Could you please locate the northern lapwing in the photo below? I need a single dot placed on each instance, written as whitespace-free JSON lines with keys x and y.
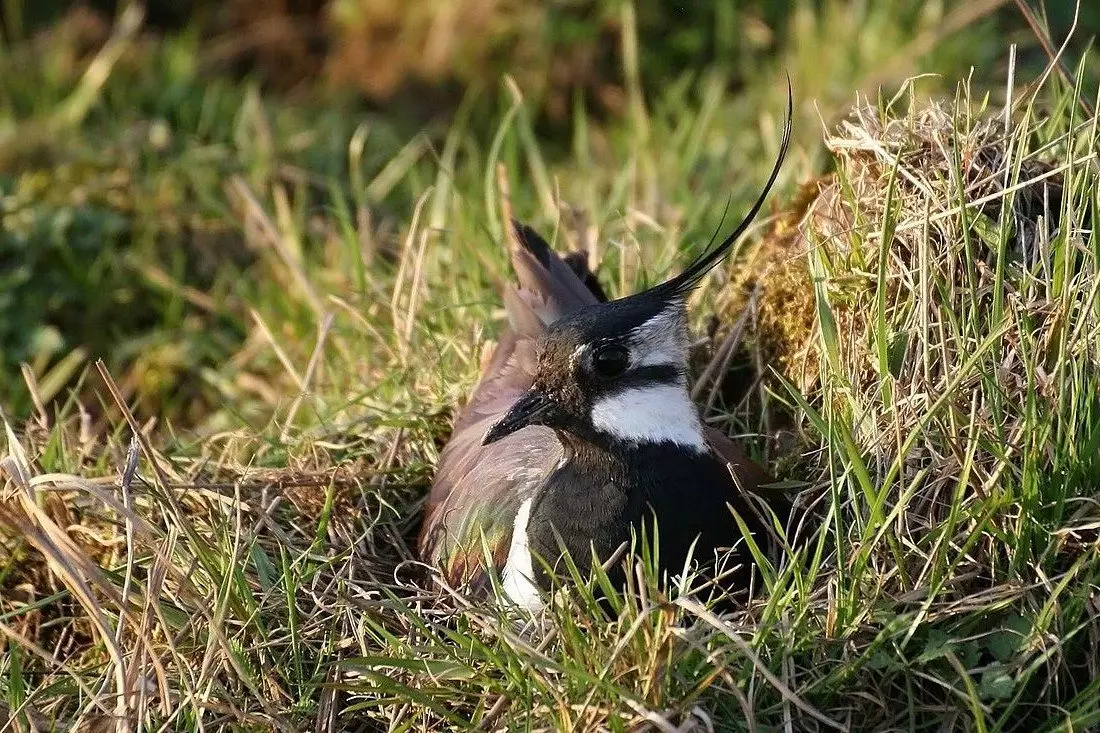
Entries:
{"x":582,"y":428}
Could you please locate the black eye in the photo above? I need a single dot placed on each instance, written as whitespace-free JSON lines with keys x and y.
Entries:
{"x":610,"y":360}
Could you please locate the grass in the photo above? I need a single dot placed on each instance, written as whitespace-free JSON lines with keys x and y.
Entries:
{"x":209,"y":530}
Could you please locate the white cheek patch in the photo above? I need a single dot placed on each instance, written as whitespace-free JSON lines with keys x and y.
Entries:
{"x":657,"y":413}
{"x":518,"y":581}
{"x":660,"y":340}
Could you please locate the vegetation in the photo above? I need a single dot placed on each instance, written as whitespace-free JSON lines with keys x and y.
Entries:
{"x":237,"y":312}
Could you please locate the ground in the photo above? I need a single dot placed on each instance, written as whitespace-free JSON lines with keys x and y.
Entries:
{"x":238,"y":311}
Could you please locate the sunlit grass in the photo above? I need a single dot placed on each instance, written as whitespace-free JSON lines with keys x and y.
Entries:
{"x":246,"y":565}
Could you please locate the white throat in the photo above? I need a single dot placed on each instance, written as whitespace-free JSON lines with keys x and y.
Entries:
{"x":657,"y":413}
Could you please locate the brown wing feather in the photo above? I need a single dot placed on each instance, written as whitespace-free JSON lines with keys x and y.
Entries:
{"x":749,"y":474}
{"x":477,"y":489}
{"x":752,"y":479}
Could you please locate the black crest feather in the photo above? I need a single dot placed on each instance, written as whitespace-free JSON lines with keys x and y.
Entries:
{"x":680,"y":285}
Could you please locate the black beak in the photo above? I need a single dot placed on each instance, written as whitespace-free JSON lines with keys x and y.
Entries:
{"x":532,"y":408}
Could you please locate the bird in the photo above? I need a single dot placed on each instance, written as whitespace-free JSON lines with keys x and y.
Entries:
{"x":581,"y":429}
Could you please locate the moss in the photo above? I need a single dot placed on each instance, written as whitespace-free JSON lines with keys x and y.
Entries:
{"x":775,"y":275}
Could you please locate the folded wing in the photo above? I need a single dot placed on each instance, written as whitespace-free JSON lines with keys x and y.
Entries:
{"x":478,"y":489}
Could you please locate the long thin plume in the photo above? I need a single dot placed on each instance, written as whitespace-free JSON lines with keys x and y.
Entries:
{"x":686,"y":280}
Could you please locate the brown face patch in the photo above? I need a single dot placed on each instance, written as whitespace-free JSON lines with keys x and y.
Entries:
{"x":653,"y":334}
{"x":561,"y":377}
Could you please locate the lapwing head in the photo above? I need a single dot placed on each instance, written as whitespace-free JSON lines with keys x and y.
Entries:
{"x":599,"y":368}
{"x":617,"y":372}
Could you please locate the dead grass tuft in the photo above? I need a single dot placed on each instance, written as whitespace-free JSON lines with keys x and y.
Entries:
{"x":189,"y":589}
{"x":936,"y":183}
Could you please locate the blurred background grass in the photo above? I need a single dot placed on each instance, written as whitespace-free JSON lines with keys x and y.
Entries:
{"x":121,"y":125}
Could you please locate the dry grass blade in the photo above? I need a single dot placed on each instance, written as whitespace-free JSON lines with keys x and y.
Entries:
{"x":1057,"y":57}
{"x":311,"y":369}
{"x":404,"y":322}
{"x":81,"y":577}
{"x":258,"y":221}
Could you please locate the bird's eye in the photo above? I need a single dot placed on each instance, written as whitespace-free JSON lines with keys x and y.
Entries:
{"x":610,"y":360}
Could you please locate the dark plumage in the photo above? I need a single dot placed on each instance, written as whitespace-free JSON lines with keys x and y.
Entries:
{"x":581,"y":429}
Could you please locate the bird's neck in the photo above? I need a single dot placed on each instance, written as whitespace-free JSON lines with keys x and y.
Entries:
{"x":659,"y":414}
{"x":624,"y":467}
